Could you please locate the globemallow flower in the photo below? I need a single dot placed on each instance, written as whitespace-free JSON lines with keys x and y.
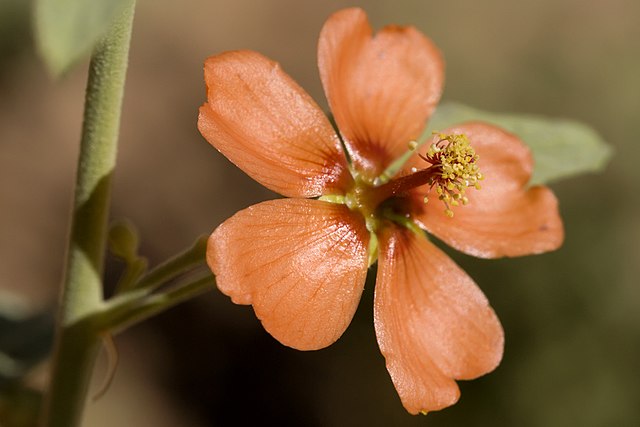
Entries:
{"x":301,"y":261}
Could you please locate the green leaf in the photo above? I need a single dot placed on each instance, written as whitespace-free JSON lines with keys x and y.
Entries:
{"x":561,"y":148}
{"x":68,"y":30}
{"x":25,"y":338}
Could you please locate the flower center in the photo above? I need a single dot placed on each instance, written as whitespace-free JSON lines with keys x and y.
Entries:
{"x":452,"y":168}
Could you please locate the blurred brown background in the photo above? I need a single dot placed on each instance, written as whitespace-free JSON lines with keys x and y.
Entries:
{"x":572,"y":318}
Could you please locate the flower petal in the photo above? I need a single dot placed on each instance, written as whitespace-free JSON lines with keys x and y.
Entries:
{"x":301,"y":263}
{"x":505,"y":217}
{"x":381,"y":89}
{"x":268,"y":126}
{"x":433,"y":323}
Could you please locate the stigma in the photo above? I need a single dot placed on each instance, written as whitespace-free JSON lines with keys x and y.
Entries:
{"x":454,"y":166}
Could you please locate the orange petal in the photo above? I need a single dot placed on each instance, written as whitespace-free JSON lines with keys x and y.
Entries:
{"x":433,"y":323}
{"x":381,"y":89}
{"x":268,"y":126}
{"x":301,"y":263}
{"x":505,"y":217}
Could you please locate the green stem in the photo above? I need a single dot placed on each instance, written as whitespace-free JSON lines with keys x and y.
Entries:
{"x":175,"y":266}
{"x":77,"y":341}
{"x":125,"y":311}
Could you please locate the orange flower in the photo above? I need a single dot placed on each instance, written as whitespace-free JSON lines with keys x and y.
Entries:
{"x":302,"y":261}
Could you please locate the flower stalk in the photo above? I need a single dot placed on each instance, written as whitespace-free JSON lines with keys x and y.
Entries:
{"x":173,"y":267}
{"x":123,"y":312}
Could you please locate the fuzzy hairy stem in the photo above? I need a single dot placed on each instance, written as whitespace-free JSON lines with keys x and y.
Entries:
{"x":77,"y":340}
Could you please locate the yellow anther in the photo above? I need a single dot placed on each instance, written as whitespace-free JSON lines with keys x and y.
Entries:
{"x":455,"y":164}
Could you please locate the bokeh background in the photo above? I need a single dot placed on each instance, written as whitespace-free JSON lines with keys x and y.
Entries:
{"x":572,"y":317}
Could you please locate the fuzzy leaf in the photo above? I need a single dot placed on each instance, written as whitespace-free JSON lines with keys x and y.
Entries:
{"x":561,"y":148}
{"x":25,"y":338}
{"x":68,"y":30}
